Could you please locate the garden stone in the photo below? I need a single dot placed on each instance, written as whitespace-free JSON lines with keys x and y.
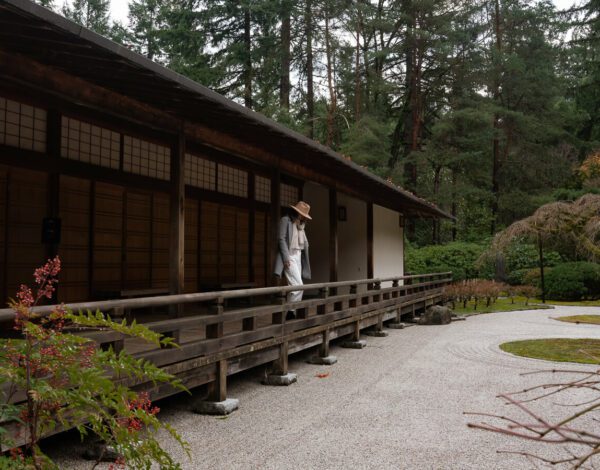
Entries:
{"x":219,"y":408}
{"x":323,"y":361}
{"x":280,"y":380}
{"x":436,"y":315}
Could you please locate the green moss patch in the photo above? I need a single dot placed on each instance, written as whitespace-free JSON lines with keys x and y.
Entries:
{"x":584,"y":351}
{"x":592,"y":319}
{"x":501,"y":305}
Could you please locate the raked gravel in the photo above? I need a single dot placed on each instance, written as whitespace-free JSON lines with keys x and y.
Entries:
{"x":397,"y":404}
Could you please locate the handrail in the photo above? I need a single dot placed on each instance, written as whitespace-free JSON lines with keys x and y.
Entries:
{"x":163,"y":300}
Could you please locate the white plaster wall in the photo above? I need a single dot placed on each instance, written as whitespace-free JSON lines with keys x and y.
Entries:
{"x":352,"y":240}
{"x":388,"y":243}
{"x":317,"y":230}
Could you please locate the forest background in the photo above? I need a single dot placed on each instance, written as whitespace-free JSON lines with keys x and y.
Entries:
{"x":489,"y":108}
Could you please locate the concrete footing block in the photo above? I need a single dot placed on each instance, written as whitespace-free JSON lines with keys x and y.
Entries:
{"x":323,"y":361}
{"x":376,"y":333}
{"x":280,"y":380}
{"x":219,"y":408}
{"x":354,"y":344}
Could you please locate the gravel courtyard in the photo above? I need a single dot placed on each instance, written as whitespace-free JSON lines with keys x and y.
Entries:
{"x":398,"y":403}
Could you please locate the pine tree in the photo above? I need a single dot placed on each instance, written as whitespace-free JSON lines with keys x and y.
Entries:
{"x":91,"y":14}
{"x":145,"y":25}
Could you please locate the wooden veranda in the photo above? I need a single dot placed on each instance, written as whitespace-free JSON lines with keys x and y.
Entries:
{"x":223,"y":333}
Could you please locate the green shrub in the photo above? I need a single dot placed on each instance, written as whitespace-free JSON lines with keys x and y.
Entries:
{"x":517,"y":277}
{"x":533,"y":277}
{"x":457,"y":257}
{"x":573,"y":281}
{"x":526,"y":256}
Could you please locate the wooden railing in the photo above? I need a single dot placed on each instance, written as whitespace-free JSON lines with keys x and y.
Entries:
{"x":219,"y":337}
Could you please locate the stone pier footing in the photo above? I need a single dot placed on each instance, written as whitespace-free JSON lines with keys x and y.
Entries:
{"x":100,"y":452}
{"x":376,"y":333}
{"x":281,"y":380}
{"x":219,"y":408}
{"x":354,"y":344}
{"x":323,"y":361}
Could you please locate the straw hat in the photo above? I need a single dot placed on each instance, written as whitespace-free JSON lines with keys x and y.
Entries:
{"x":303,"y":209}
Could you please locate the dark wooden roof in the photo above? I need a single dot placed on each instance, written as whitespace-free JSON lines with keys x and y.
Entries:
{"x":46,"y":37}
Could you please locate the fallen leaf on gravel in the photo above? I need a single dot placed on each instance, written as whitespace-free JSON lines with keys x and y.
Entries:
{"x":322,"y":376}
{"x":222,"y":417}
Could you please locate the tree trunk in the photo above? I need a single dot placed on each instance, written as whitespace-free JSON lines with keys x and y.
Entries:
{"x":331,"y":107}
{"x":496,"y":141}
{"x":437,"y":176}
{"x":284,"y":90}
{"x":542,"y":281}
{"x":310,"y":92}
{"x":357,"y":98}
{"x":454,"y":205}
{"x":247,"y":59}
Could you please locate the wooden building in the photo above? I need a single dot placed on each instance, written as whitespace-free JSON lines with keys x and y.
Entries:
{"x":141,"y":179}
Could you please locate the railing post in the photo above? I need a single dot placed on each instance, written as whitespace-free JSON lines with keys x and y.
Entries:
{"x":355,"y":342}
{"x":215,"y":330}
{"x":278,"y":317}
{"x":280,"y":374}
{"x":323,"y":358}
{"x":377,"y":286}
{"x":323,"y":308}
{"x":217,"y":390}
{"x":395,"y":292}
{"x":117,"y":345}
{"x":217,"y":403}
{"x":353,"y":291}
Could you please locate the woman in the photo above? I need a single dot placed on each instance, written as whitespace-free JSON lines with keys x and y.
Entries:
{"x":292,"y":256}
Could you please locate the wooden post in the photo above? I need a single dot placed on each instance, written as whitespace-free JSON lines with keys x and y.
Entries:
{"x":215,"y":330}
{"x":333,"y":237}
{"x":370,"y":267}
{"x":356,"y":332}
{"x":251,"y":223}
{"x":53,"y":130}
{"x":217,"y":390}
{"x":323,"y":294}
{"x":280,"y":366}
{"x":278,"y":317}
{"x":275,"y":214}
{"x":353,"y":291}
{"x":324,"y":347}
{"x":395,"y":292}
{"x":377,"y":286}
{"x":177,"y":221}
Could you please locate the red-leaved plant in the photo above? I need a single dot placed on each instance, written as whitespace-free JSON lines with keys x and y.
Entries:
{"x":52,"y":379}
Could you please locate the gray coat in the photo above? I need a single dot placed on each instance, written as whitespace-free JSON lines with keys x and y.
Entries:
{"x":283,"y":253}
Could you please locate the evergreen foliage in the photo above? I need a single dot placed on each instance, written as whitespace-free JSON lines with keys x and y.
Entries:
{"x":486,"y":107}
{"x":573,"y":281}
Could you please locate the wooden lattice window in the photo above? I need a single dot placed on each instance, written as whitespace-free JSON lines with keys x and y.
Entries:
{"x":262,"y":189}
{"x":289,"y":194}
{"x":233,"y":181}
{"x":22,"y":125}
{"x":146,"y":158}
{"x":200,"y":172}
{"x":88,"y":143}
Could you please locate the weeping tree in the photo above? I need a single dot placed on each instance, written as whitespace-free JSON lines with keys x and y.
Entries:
{"x":568,"y":227}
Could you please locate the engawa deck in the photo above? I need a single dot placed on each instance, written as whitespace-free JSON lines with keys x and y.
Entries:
{"x":218,"y":339}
